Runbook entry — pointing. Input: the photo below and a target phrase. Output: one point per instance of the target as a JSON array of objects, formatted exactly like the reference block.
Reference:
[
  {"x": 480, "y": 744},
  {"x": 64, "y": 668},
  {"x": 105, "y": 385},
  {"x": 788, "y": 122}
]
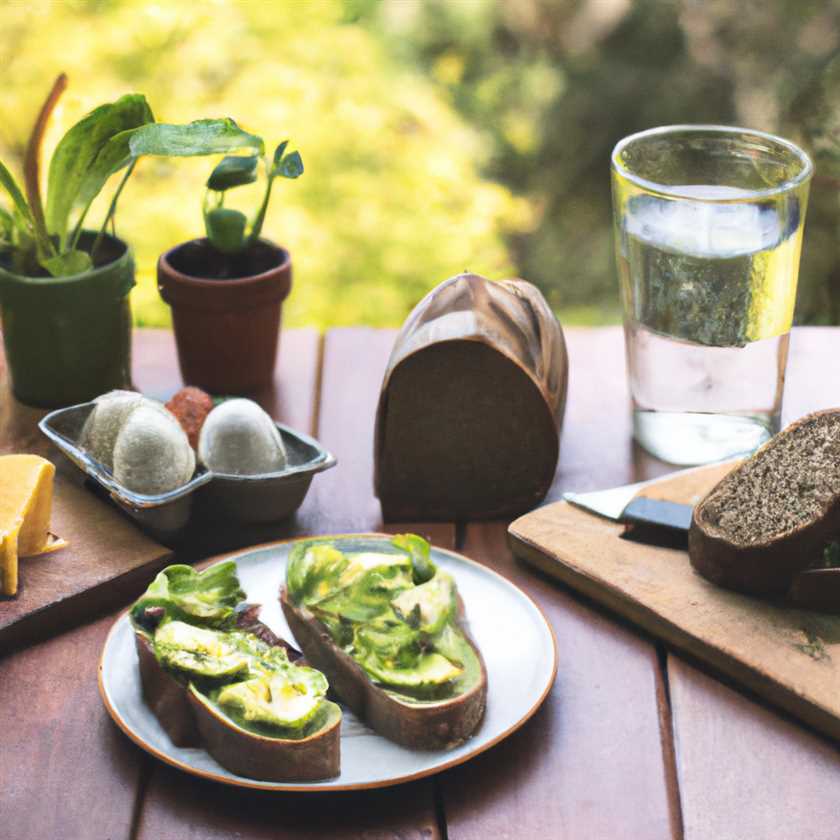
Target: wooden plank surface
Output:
[
  {"x": 339, "y": 501},
  {"x": 590, "y": 763},
  {"x": 65, "y": 770},
  {"x": 744, "y": 771},
  {"x": 342, "y": 500}
]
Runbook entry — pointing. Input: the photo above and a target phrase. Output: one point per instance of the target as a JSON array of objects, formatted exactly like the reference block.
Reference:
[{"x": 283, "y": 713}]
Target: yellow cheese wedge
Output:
[{"x": 26, "y": 484}]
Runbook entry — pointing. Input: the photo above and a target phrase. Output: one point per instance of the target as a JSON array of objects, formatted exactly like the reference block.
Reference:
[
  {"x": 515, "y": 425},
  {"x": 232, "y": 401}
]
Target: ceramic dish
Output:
[
  {"x": 240, "y": 498},
  {"x": 519, "y": 652}
]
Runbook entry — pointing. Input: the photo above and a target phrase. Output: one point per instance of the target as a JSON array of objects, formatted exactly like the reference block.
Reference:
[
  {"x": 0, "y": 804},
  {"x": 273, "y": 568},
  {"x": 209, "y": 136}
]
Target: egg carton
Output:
[{"x": 247, "y": 499}]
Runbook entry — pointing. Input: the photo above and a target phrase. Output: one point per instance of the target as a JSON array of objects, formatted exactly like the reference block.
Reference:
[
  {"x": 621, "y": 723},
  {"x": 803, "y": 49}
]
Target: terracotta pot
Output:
[
  {"x": 226, "y": 328},
  {"x": 68, "y": 339}
]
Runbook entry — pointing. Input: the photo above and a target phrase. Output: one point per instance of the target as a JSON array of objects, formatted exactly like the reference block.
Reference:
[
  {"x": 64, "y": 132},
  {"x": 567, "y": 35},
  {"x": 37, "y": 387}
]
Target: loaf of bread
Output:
[
  {"x": 471, "y": 404},
  {"x": 770, "y": 518}
]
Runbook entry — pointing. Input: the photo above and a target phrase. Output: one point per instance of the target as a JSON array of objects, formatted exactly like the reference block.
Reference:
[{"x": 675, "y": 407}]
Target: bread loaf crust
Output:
[
  {"x": 769, "y": 567},
  {"x": 472, "y": 404}
]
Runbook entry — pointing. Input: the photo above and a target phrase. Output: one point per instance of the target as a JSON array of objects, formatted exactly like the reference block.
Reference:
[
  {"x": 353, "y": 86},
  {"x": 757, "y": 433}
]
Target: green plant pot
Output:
[{"x": 68, "y": 339}]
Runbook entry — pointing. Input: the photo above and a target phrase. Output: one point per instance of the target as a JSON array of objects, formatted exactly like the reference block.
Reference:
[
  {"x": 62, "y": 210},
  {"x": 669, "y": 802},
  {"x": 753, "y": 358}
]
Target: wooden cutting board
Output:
[
  {"x": 790, "y": 657},
  {"x": 107, "y": 560}
]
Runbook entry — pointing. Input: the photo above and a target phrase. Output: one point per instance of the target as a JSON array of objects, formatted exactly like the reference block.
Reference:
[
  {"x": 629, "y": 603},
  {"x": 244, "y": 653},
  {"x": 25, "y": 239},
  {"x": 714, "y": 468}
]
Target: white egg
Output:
[
  {"x": 103, "y": 424},
  {"x": 152, "y": 454},
  {"x": 239, "y": 438}
]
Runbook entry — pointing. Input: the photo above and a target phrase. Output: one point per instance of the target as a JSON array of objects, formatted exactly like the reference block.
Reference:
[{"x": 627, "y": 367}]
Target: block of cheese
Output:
[{"x": 26, "y": 486}]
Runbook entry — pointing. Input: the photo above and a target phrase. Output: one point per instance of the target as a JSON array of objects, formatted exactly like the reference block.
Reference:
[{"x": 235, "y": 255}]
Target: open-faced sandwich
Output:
[
  {"x": 217, "y": 677},
  {"x": 384, "y": 625}
]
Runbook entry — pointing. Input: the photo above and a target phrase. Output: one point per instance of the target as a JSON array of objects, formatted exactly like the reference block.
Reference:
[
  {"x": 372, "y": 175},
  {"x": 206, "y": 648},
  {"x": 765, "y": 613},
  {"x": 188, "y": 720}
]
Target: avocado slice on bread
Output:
[
  {"x": 215, "y": 676},
  {"x": 385, "y": 626}
]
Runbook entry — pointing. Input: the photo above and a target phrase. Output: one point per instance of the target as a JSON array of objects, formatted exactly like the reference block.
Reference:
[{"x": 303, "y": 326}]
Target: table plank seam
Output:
[
  {"x": 666, "y": 734},
  {"x": 319, "y": 377},
  {"x": 144, "y": 774},
  {"x": 440, "y": 807}
]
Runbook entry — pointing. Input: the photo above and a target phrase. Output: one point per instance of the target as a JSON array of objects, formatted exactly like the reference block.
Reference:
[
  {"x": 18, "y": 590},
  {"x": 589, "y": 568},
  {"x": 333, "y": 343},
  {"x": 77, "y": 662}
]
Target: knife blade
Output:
[{"x": 628, "y": 504}]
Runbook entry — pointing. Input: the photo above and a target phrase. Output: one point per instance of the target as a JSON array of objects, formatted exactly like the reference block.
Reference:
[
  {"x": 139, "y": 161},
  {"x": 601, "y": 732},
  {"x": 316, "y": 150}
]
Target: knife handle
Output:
[{"x": 645, "y": 511}]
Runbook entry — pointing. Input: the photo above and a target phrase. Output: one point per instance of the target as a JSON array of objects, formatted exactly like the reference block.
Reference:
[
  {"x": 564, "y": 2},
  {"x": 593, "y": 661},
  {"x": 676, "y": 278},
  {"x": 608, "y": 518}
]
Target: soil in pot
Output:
[{"x": 199, "y": 259}]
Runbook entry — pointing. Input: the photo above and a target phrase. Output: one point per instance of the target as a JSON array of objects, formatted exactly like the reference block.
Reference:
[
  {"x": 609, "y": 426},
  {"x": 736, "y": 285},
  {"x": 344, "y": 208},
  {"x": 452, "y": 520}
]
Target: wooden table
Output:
[{"x": 633, "y": 741}]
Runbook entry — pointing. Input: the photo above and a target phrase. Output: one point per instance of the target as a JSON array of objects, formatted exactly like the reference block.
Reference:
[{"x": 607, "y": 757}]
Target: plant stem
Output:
[
  {"x": 256, "y": 226},
  {"x": 77, "y": 231},
  {"x": 31, "y": 165},
  {"x": 112, "y": 209}
]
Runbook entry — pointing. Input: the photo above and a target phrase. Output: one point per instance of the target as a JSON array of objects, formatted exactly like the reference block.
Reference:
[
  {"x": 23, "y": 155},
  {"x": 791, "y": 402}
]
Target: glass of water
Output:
[{"x": 708, "y": 233}]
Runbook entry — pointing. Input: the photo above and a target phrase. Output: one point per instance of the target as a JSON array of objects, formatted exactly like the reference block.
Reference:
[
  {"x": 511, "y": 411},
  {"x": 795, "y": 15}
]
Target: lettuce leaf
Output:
[{"x": 207, "y": 598}]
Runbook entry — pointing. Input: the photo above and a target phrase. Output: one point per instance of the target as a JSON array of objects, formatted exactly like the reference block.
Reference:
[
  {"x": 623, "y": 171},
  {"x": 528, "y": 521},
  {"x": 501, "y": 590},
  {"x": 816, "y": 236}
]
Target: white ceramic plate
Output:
[{"x": 514, "y": 637}]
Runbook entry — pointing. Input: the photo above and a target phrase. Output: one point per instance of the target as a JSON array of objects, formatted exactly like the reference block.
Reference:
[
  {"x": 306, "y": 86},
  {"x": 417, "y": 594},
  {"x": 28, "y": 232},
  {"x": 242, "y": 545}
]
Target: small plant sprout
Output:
[{"x": 227, "y": 229}]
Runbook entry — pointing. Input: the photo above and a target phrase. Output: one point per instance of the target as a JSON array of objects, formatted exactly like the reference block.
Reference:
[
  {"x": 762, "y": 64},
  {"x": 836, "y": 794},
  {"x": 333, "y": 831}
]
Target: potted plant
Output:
[
  {"x": 64, "y": 289},
  {"x": 226, "y": 289}
]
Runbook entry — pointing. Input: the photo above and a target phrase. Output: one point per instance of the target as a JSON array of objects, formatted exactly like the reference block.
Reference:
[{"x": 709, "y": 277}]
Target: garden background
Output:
[{"x": 437, "y": 135}]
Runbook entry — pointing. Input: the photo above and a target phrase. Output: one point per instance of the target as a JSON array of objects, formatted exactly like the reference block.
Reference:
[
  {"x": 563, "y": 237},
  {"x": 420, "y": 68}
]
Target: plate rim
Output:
[{"x": 292, "y": 787}]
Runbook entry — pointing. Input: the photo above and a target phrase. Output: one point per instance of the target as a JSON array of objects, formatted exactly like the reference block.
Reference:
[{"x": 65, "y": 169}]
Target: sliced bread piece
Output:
[
  {"x": 385, "y": 625},
  {"x": 215, "y": 676},
  {"x": 431, "y": 725},
  {"x": 770, "y": 517}
]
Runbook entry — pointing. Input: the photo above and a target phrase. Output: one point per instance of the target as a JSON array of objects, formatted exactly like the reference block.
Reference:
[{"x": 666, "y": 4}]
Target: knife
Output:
[
  {"x": 663, "y": 522},
  {"x": 623, "y": 504}
]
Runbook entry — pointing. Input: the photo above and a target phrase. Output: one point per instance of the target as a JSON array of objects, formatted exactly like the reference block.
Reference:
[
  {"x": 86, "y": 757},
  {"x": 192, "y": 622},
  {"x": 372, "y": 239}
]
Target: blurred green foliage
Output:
[
  {"x": 554, "y": 84},
  {"x": 438, "y": 135},
  {"x": 392, "y": 201}
]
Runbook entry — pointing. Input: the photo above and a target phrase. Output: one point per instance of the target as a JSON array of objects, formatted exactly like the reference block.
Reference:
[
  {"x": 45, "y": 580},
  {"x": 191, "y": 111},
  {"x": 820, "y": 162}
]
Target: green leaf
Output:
[
  {"x": 205, "y": 598},
  {"x": 7, "y": 225},
  {"x": 419, "y": 550},
  {"x": 290, "y": 167},
  {"x": 201, "y": 137},
  {"x": 233, "y": 172},
  {"x": 314, "y": 571},
  {"x": 226, "y": 229},
  {"x": 113, "y": 157},
  {"x": 78, "y": 169},
  {"x": 68, "y": 263},
  {"x": 7, "y": 181},
  {"x": 278, "y": 152}
]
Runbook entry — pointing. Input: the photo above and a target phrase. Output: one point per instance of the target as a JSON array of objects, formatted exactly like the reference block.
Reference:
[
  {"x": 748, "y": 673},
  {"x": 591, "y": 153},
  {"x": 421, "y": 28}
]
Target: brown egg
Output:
[{"x": 191, "y": 406}]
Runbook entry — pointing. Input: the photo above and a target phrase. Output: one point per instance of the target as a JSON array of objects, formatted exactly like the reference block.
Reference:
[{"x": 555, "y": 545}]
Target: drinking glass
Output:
[{"x": 708, "y": 232}]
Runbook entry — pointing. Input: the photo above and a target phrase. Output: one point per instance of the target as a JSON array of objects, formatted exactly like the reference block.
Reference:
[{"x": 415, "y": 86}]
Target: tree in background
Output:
[
  {"x": 554, "y": 84},
  {"x": 392, "y": 202}
]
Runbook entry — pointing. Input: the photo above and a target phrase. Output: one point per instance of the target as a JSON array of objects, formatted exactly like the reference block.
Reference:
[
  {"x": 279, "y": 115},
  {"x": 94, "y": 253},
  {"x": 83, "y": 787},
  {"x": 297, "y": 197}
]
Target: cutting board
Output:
[
  {"x": 107, "y": 560},
  {"x": 790, "y": 657}
]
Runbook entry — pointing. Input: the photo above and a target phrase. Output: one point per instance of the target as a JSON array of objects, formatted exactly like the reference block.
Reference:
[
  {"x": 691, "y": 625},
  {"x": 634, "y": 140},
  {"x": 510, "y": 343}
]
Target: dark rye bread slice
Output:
[
  {"x": 189, "y": 722},
  {"x": 434, "y": 726},
  {"x": 770, "y": 518},
  {"x": 471, "y": 404},
  {"x": 270, "y": 759}
]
